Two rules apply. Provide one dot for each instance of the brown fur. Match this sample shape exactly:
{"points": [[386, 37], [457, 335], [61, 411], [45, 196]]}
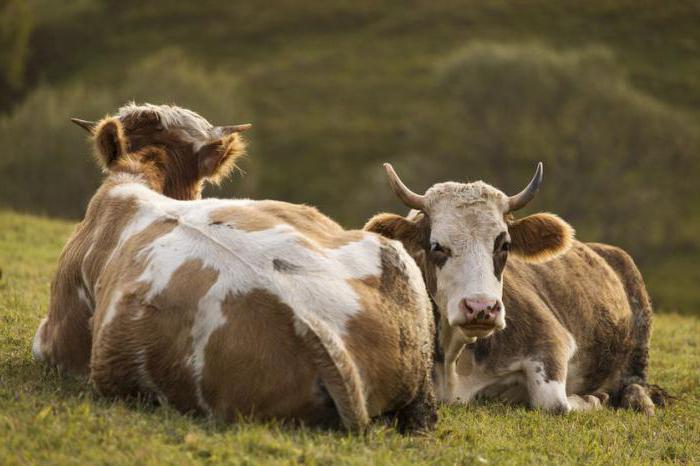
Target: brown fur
{"points": [[543, 307], [318, 229], [110, 142], [539, 237], [640, 303], [258, 345], [396, 347], [181, 170]]}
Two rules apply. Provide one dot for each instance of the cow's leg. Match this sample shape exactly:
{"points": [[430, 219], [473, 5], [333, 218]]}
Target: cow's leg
{"points": [[421, 413], [64, 337], [452, 353], [452, 342], [468, 386], [546, 384]]}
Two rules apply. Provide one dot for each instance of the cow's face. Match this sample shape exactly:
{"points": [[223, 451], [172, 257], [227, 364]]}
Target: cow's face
{"points": [[178, 149], [466, 252], [462, 237]]}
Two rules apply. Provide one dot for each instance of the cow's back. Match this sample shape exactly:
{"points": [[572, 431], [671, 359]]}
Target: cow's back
{"points": [[214, 313]]}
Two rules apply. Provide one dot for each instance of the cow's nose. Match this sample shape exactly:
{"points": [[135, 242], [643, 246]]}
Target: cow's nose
{"points": [[480, 310]]}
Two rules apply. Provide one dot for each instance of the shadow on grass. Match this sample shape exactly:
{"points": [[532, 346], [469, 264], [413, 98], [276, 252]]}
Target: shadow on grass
{"points": [[26, 377]]}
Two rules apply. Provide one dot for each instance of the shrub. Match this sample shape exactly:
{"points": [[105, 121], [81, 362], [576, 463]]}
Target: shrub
{"points": [[45, 166]]}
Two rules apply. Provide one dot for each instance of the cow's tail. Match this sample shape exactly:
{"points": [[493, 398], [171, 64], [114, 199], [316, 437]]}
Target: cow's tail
{"points": [[634, 392], [338, 371]]}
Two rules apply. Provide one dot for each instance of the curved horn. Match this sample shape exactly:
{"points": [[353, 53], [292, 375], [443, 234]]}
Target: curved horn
{"points": [[521, 199], [226, 130], [408, 197], [88, 126]]}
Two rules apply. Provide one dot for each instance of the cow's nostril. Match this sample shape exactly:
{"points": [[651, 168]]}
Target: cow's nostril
{"points": [[466, 308]]}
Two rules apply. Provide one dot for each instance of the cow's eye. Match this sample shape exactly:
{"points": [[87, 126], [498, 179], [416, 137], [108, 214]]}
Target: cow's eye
{"points": [[501, 243], [436, 247], [438, 253]]}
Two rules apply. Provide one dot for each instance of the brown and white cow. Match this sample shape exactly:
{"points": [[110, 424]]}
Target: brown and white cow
{"points": [[242, 308], [576, 330], [186, 152]]}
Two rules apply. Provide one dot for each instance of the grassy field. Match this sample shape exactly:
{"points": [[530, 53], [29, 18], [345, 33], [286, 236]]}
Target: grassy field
{"points": [[48, 418]]}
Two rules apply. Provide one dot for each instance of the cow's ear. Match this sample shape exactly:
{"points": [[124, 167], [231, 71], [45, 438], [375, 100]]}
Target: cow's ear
{"points": [[217, 159], [110, 142], [540, 237], [410, 231]]}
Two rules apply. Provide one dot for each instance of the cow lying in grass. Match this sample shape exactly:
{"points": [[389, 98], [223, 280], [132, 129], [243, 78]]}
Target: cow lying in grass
{"points": [[577, 327], [187, 152], [239, 307]]}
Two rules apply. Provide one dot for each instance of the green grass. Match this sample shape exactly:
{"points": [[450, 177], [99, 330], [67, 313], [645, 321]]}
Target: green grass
{"points": [[46, 417]]}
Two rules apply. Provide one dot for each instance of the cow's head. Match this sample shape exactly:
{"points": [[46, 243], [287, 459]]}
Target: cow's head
{"points": [[175, 149], [461, 235]]}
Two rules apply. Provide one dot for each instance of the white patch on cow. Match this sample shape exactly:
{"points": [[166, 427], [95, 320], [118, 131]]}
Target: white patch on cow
{"points": [[111, 310], [37, 343], [545, 393], [244, 260], [83, 297], [209, 318], [83, 273]]}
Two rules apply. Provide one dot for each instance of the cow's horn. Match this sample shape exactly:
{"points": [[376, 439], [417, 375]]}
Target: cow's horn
{"points": [[226, 130], [521, 199], [88, 126], [408, 197]]}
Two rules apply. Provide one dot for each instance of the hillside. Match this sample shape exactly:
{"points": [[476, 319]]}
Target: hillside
{"points": [[606, 94]]}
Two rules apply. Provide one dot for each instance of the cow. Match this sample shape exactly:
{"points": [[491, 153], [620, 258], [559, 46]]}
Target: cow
{"points": [[577, 328], [188, 152], [243, 308]]}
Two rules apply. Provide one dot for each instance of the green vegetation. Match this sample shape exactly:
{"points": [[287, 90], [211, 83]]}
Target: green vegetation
{"points": [[50, 418], [606, 93]]}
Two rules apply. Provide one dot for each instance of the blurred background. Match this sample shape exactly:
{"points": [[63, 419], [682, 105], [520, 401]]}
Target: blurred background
{"points": [[605, 92]]}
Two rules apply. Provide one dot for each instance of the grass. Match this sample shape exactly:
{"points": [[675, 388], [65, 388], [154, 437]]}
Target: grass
{"points": [[46, 417]]}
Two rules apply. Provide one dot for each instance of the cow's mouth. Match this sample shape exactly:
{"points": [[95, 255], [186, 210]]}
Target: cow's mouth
{"points": [[478, 330]]}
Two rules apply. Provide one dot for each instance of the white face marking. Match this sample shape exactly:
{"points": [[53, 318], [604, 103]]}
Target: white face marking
{"points": [[466, 220], [37, 346], [244, 261]]}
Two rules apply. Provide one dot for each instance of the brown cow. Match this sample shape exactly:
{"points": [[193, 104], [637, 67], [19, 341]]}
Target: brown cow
{"points": [[577, 327], [241, 307], [187, 151]]}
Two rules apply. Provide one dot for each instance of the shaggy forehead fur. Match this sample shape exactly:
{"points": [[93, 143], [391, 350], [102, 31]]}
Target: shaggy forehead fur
{"points": [[465, 194], [171, 117]]}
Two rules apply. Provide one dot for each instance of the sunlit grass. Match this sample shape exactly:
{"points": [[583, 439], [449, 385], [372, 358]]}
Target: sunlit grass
{"points": [[46, 417]]}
